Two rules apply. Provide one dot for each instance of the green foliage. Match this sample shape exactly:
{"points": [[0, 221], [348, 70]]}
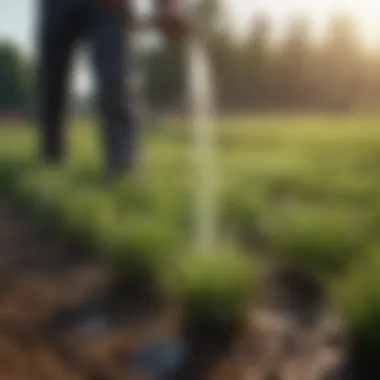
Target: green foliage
{"points": [[215, 287], [8, 176], [84, 212], [138, 248], [357, 298], [318, 209], [41, 192], [15, 79], [243, 210], [322, 240], [242, 215], [135, 196], [253, 73], [356, 190]]}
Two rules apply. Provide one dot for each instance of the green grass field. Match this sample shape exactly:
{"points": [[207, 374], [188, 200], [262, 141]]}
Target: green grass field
{"points": [[301, 190]]}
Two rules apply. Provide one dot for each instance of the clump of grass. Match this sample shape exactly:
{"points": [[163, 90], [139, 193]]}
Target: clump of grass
{"points": [[84, 213], [322, 241], [215, 288], [137, 248], [353, 189], [357, 296], [176, 206], [7, 178], [41, 193], [11, 169], [134, 196], [242, 217]]}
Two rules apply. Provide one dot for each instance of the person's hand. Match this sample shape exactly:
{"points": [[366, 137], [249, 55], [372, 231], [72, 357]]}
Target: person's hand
{"points": [[172, 22]]}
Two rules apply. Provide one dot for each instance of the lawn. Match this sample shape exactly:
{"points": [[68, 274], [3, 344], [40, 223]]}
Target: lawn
{"points": [[301, 190]]}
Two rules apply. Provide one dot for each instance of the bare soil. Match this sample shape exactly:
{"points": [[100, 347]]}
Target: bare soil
{"points": [[61, 319], [48, 289]]}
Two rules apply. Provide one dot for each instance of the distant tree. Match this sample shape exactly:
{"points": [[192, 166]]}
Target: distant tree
{"points": [[16, 79], [341, 63], [256, 62], [293, 63], [254, 72]]}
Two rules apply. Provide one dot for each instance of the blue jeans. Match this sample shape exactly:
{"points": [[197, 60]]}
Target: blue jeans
{"points": [[62, 24]]}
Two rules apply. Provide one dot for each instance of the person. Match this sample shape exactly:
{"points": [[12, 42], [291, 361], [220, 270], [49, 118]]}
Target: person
{"points": [[106, 25]]}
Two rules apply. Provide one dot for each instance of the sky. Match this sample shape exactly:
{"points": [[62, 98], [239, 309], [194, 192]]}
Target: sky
{"points": [[17, 19]]}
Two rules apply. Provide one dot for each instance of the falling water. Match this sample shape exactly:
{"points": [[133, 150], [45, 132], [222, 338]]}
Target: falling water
{"points": [[202, 119], [200, 96]]}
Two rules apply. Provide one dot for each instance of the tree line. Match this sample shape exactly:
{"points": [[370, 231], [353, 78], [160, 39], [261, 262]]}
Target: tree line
{"points": [[336, 73], [16, 80]]}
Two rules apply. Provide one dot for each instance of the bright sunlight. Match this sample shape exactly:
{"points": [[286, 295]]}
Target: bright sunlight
{"points": [[367, 12]]}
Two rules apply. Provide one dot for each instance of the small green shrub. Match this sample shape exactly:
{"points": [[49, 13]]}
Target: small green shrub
{"points": [[134, 196], [353, 189], [85, 212], [8, 175], [357, 297], [295, 184], [322, 241], [175, 204], [138, 248], [242, 215], [215, 288], [11, 169], [41, 192]]}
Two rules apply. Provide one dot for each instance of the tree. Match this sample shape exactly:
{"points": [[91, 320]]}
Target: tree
{"points": [[293, 63], [255, 73], [341, 63], [255, 65], [15, 79]]}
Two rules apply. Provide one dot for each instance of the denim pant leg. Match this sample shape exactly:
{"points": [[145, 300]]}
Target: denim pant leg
{"points": [[110, 47], [61, 24]]}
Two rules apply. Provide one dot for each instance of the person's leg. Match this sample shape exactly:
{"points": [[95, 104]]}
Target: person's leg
{"points": [[110, 43], [61, 23]]}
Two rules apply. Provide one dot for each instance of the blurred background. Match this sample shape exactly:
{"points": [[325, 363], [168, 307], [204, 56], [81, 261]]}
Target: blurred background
{"points": [[268, 55]]}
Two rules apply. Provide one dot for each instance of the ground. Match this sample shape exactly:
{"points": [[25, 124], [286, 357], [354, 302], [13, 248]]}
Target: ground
{"points": [[41, 282], [52, 305]]}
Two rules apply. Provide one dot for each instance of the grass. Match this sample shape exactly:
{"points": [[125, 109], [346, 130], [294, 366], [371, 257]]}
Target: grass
{"points": [[309, 186]]}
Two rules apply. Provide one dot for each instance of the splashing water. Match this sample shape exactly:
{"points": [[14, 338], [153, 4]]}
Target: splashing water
{"points": [[202, 120]]}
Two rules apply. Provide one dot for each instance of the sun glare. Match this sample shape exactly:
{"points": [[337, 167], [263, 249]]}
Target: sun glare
{"points": [[366, 12]]}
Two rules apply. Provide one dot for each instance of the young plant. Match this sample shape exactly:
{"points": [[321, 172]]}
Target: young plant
{"points": [[84, 213], [242, 215], [357, 296], [41, 192], [134, 196], [138, 248], [321, 241], [215, 288]]}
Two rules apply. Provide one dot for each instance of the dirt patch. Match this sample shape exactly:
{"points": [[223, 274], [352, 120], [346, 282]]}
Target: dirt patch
{"points": [[61, 318]]}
